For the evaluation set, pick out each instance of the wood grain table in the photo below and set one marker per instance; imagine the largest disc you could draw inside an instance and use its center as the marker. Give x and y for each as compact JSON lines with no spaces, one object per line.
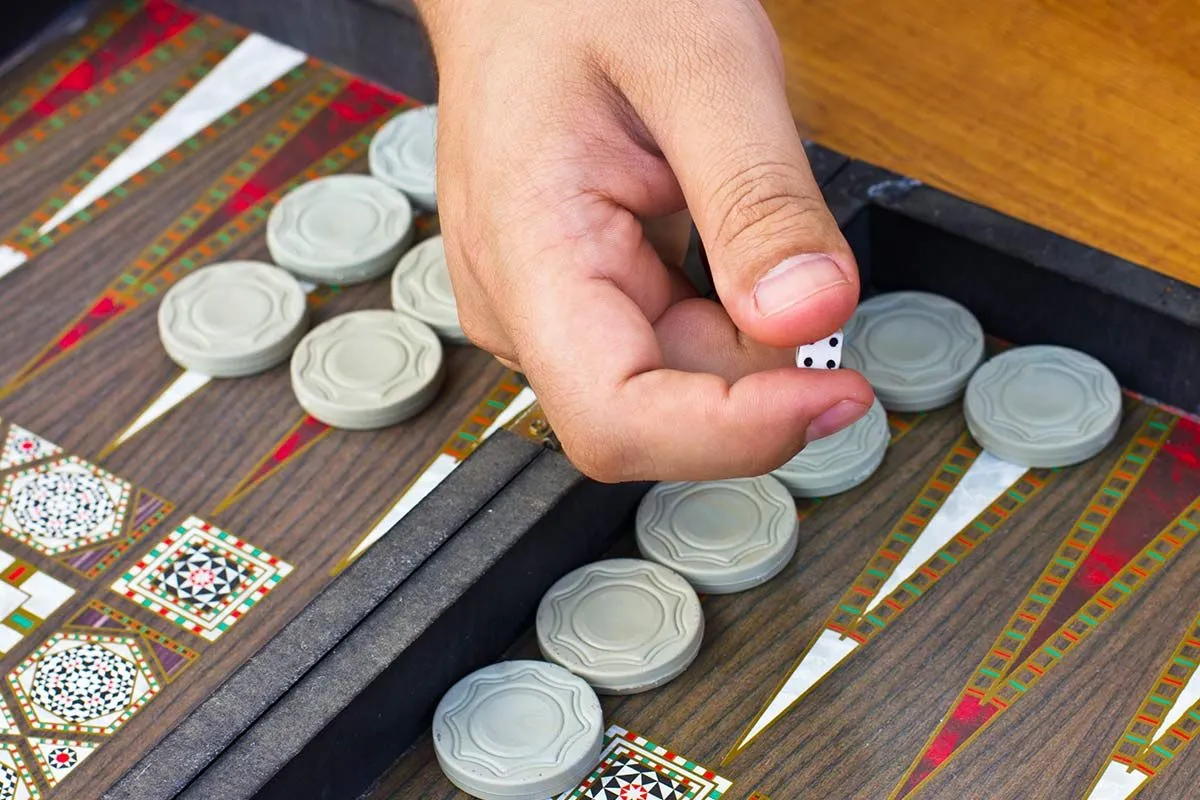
{"x":1079,"y":116}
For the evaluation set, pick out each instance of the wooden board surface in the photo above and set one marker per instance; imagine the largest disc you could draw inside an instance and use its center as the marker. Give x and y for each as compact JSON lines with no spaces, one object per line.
{"x":1077,"y":116}
{"x":81,"y":361}
{"x":858,"y":732}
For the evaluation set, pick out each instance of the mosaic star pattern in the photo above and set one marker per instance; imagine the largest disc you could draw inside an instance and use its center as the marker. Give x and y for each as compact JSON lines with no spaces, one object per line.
{"x":16,"y":783}
{"x":84,"y":683}
{"x":23,"y":446}
{"x":634,"y":781}
{"x":202,"y":578}
{"x":634,"y":768}
{"x":58,"y":757}
{"x":63,"y":505}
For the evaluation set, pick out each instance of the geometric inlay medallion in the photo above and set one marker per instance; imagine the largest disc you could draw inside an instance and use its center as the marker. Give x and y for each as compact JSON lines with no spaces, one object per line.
{"x":84,"y":682}
{"x":634,"y":768}
{"x":58,"y":757}
{"x":16,"y":783}
{"x":202,"y":578}
{"x":63,"y":505}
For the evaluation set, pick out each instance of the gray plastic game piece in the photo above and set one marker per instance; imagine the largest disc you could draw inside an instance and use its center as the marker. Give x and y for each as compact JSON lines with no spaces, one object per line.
{"x":839,"y":462}
{"x":403,"y":154}
{"x":1043,"y":406}
{"x":918,"y":350}
{"x":624,"y":625}
{"x":340,"y":229}
{"x":723,"y":536}
{"x":367,"y":369}
{"x":421,"y":288}
{"x":233,"y":319}
{"x":518,"y":730}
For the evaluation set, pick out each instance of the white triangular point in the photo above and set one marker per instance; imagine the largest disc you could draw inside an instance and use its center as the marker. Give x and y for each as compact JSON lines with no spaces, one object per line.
{"x":58,"y":758}
{"x":254,"y":64}
{"x":1188,"y":696}
{"x":438,"y":470}
{"x":10,"y":259}
{"x":1118,"y":782}
{"x":829,"y":650}
{"x":179,"y":390}
{"x":983,"y":482}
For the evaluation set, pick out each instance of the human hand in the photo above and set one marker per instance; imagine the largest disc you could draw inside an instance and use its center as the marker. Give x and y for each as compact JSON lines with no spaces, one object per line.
{"x":573,"y":137}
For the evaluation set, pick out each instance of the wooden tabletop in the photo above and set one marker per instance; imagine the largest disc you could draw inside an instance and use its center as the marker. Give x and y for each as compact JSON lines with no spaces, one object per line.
{"x":1079,"y":115}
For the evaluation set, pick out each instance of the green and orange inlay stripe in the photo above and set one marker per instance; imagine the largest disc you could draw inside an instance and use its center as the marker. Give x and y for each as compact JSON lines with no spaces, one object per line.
{"x":1157,"y":521}
{"x":1089,"y":527}
{"x":460,"y":444}
{"x":166,"y":53}
{"x":216,"y":198}
{"x":244,"y":224}
{"x":993,"y":518}
{"x":1162,"y":549}
{"x":26,"y":236}
{"x":469,"y":435}
{"x":904,"y":533}
{"x":337,"y":119}
{"x":80,"y":48}
{"x":1143,"y":730}
{"x":901,"y":423}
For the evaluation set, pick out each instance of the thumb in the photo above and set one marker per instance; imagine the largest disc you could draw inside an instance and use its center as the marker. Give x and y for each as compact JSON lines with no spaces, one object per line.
{"x":780,"y":265}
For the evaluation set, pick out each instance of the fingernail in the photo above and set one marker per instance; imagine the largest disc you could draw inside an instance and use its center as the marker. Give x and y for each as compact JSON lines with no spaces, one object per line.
{"x":846,"y":412}
{"x":794,"y":281}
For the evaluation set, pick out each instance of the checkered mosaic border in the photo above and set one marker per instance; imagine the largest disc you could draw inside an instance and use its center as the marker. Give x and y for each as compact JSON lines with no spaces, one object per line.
{"x":141,"y":583}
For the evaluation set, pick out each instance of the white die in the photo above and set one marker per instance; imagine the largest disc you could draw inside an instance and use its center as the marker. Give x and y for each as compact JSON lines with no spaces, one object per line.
{"x":825,"y":354}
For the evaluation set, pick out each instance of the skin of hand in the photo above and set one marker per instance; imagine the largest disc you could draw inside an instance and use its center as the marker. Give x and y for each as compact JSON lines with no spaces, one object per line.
{"x":575,"y":138}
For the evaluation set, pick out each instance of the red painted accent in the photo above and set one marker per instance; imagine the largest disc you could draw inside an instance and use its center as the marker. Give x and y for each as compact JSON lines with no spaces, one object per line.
{"x":355,"y":107}
{"x":140,"y":34}
{"x":966,"y":718}
{"x":15,"y":574}
{"x":1166,"y":488}
{"x":102,"y":312}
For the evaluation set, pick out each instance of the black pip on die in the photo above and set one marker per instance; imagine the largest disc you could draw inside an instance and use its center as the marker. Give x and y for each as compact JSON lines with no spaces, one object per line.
{"x":823,"y":354}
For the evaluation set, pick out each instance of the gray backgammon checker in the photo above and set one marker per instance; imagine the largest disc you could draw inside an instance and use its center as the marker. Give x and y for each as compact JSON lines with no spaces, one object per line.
{"x":1043,"y":406}
{"x":340,"y":229}
{"x":917,"y":350}
{"x":723,"y":536}
{"x":367,"y":369}
{"x":233,"y":319}
{"x":624,"y":625}
{"x":518,"y":730}
{"x":421,"y":288}
{"x":403,"y":154}
{"x":839,"y":462}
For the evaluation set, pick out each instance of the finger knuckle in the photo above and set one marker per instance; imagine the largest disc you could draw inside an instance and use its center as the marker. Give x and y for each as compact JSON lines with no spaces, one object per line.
{"x":761,"y":200}
{"x":599,"y":457}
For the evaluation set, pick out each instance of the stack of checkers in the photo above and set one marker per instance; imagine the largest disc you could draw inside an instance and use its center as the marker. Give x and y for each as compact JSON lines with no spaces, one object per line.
{"x":1035,"y":406}
{"x":360,"y":370}
{"x":615,"y":627}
